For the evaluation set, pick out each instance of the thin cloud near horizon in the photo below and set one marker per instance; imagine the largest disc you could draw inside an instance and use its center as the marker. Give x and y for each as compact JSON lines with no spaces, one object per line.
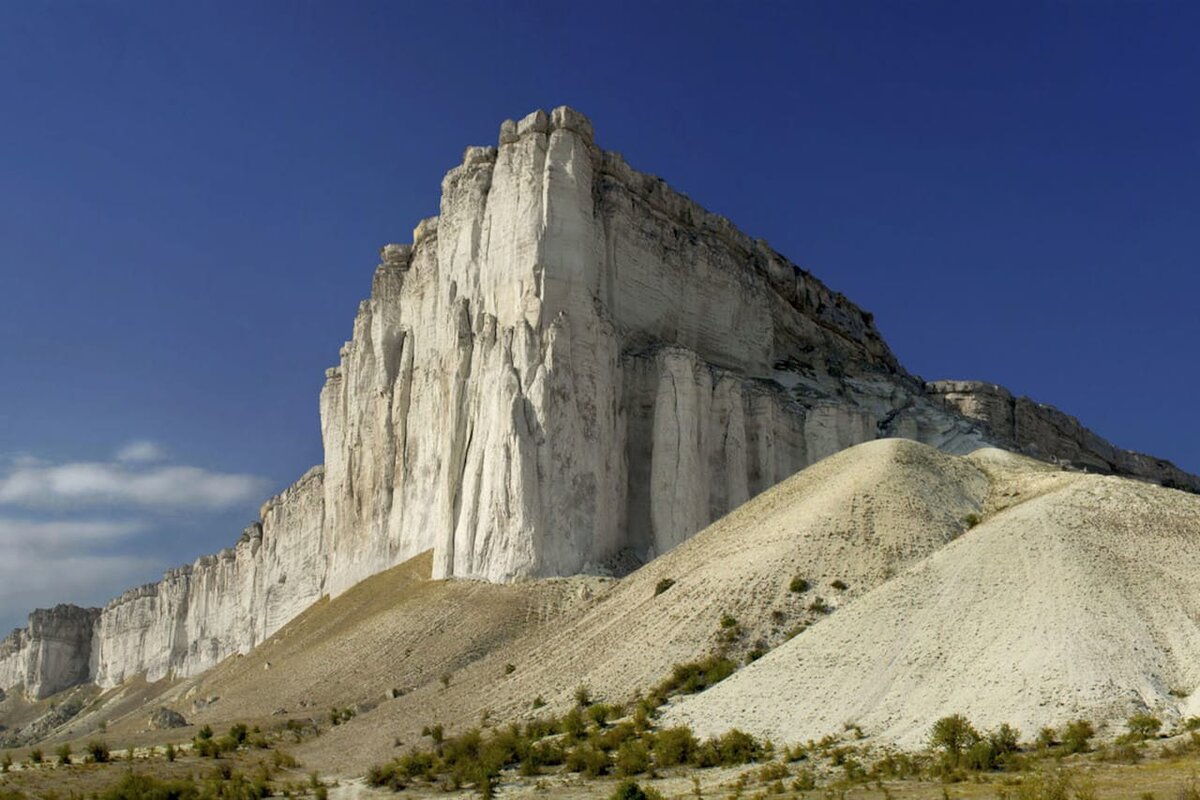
{"x":134,"y":479}
{"x":78,"y":531}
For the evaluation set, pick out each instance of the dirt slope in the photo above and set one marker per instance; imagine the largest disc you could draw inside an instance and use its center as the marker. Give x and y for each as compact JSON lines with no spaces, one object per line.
{"x":1078,"y":596}
{"x":856,"y":517}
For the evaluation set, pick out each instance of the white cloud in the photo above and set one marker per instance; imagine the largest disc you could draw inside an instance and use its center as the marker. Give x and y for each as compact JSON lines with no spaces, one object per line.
{"x":46,"y":562}
{"x":141,"y":451}
{"x":102,"y":484}
{"x":23,"y":536}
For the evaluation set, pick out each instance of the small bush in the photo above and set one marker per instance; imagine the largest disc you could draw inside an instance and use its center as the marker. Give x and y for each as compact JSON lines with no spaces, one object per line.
{"x":583,"y":698}
{"x":674,"y":746}
{"x":445,"y":679}
{"x":36,"y":756}
{"x":696,"y":676}
{"x":630,"y":790}
{"x":971,"y":520}
{"x":97,"y":752}
{"x":1143,"y":726}
{"x":798,"y":585}
{"x":663,"y":585}
{"x":953,"y":735}
{"x":1077,"y":736}
{"x":64,"y":754}
{"x":632,"y":758}
{"x":169,"y":752}
{"x":805,"y":780}
{"x":839,"y":585}
{"x":818,"y":606}
{"x":538,"y":702}
{"x":6,"y":762}
{"x":509,"y":669}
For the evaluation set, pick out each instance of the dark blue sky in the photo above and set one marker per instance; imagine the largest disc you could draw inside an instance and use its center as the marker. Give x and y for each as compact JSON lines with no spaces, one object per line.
{"x":193,"y":196}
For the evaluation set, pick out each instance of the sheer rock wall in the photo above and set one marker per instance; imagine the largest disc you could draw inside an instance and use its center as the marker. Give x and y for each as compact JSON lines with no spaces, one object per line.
{"x":571,"y":368}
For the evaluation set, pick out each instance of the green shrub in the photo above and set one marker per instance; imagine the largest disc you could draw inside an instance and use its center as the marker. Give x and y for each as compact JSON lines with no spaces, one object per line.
{"x":97,"y":752}
{"x":696,"y":676}
{"x":737,"y":747}
{"x":64,"y":754}
{"x":588,"y":760}
{"x":663,"y":585}
{"x":1046,"y":738}
{"x":805,"y":780}
{"x":583,"y":697}
{"x":971,"y":520}
{"x":169,"y":752}
{"x":538,"y":702}
{"x":1143,"y":726}
{"x":1077,"y":736}
{"x":133,"y":786}
{"x":818,"y":606}
{"x":509,"y":669}
{"x":630,"y":790}
{"x":36,"y":756}
{"x":798,"y":585}
{"x":674,"y":746}
{"x":840,"y":585}
{"x":632,"y":758}
{"x":6,"y":762}
{"x":953,"y":735}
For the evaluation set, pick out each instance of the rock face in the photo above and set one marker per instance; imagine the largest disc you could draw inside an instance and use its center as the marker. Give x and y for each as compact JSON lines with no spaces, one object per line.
{"x":1042,"y":431}
{"x":52,"y":653}
{"x":223,"y":604}
{"x":571,"y":368}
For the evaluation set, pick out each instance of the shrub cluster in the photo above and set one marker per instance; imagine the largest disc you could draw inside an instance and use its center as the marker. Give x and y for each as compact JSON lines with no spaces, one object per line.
{"x":592,"y":740}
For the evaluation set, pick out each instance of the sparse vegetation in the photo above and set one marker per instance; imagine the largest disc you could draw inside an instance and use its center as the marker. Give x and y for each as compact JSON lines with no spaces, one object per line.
{"x":840,"y":585}
{"x":662,"y":585}
{"x":97,"y":752}
{"x":64,"y":754}
{"x":1142,"y":727}
{"x":971,"y":520}
{"x":1077,"y":736}
{"x":818,"y":606}
{"x":798,"y":585}
{"x":336,"y":716}
{"x":509,"y":669}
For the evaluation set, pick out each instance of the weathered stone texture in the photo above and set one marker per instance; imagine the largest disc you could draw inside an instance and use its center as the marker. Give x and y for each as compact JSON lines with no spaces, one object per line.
{"x":571,"y":368}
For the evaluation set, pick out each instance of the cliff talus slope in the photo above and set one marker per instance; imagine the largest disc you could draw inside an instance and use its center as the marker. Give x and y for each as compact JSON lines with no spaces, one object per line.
{"x":572,"y":368}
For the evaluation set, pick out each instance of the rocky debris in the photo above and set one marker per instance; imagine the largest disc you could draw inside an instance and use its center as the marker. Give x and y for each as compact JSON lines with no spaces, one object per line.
{"x":571,"y":367}
{"x":163,"y":718}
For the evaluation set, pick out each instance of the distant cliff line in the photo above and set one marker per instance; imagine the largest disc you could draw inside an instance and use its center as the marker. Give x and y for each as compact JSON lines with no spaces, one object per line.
{"x":572,"y":368}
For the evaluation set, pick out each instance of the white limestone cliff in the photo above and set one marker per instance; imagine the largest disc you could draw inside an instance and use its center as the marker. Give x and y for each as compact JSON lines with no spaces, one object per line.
{"x":50,"y":654}
{"x":571,"y":368}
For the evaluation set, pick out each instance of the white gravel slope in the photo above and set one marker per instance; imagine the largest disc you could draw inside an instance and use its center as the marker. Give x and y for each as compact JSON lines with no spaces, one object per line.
{"x":1078,"y":596}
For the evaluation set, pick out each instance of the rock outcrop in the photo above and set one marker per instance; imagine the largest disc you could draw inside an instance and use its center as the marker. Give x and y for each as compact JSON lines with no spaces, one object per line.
{"x":571,"y":368}
{"x":50,"y":654}
{"x":1042,"y":431}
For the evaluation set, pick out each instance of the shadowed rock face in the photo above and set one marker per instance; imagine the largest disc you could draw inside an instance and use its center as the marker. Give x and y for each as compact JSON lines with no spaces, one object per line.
{"x":571,"y":368}
{"x":50,"y":654}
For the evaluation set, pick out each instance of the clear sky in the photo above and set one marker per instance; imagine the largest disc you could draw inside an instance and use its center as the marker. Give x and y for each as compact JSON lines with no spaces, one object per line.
{"x":192,"y":197}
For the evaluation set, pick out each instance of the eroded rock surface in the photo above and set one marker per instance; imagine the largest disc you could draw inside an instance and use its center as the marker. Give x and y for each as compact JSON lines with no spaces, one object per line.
{"x":572,"y":368}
